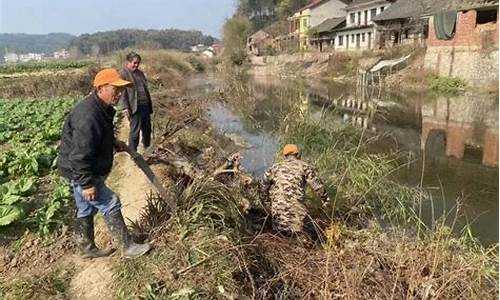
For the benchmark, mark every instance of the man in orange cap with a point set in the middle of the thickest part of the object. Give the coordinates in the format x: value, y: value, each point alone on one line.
x: 85, y: 159
x: 284, y: 185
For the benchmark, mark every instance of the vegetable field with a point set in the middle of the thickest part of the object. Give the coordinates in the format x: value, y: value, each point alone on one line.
x: 31, y: 193
x: 43, y: 66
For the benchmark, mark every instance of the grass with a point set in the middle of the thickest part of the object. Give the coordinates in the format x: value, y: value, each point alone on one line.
x: 51, y: 284
x: 448, y: 85
x: 214, y: 249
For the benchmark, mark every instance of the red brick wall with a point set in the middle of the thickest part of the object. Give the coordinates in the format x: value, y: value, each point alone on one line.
x: 466, y: 34
x: 456, y: 136
x: 490, y: 154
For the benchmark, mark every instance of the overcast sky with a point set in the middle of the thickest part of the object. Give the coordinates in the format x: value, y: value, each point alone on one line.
x: 88, y: 16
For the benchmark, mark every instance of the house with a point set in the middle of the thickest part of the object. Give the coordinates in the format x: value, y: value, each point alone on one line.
x: 463, y: 40
x: 270, y: 39
x: 322, y: 37
x: 11, y: 57
x: 360, y: 31
x: 198, y: 48
x: 30, y: 57
x: 259, y: 42
x: 312, y: 15
x: 61, y: 54
x: 401, y: 24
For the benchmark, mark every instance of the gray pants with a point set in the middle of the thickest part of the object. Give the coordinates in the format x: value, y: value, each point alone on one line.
x: 140, y: 122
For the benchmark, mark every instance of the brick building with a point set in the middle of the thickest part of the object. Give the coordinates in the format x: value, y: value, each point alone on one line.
x: 471, y: 52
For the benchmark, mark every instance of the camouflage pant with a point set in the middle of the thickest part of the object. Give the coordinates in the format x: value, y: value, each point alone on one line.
x: 287, y: 217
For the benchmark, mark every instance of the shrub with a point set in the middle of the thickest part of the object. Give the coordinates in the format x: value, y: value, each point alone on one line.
x: 448, y: 85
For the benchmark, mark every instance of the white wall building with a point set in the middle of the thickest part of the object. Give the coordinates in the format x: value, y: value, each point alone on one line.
x: 11, y: 57
x: 31, y: 56
x: 360, y: 31
x: 61, y: 54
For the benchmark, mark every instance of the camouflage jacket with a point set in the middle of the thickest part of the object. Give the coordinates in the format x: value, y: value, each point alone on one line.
x: 286, y: 181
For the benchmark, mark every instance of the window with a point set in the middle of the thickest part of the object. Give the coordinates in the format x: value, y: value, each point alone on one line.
x: 352, y: 18
x: 359, y: 17
x: 366, y: 17
x: 382, y: 9
x: 363, y: 37
x: 304, y: 23
x: 341, y: 40
x: 373, y: 13
x: 352, y: 38
x: 486, y: 16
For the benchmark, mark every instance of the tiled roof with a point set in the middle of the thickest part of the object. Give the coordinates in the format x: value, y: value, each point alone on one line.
x: 315, y: 3
x: 354, y: 3
x: 277, y: 28
x: 328, y: 25
x: 403, y: 9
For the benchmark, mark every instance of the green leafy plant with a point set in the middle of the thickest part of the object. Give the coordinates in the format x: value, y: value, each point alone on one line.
x: 448, y: 85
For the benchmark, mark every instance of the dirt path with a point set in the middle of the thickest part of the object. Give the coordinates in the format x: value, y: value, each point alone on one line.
x: 95, y: 280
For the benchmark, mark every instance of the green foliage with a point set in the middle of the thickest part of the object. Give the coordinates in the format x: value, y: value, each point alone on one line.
x: 264, y: 12
x: 9, y: 214
x: 448, y: 85
x: 102, y: 43
x: 29, y: 134
x: 236, y: 30
x: 43, y: 66
x: 47, y: 217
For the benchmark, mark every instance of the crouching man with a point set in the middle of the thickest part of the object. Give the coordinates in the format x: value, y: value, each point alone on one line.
x: 85, y: 159
x: 284, y: 185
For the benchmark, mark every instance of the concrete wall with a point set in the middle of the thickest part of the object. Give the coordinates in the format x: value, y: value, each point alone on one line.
x: 473, y: 65
x: 330, y: 9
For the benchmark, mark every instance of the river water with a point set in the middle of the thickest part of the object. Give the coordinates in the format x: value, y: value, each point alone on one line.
x: 451, y: 141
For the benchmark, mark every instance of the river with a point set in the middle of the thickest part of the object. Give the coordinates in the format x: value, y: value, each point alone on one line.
x: 451, y: 141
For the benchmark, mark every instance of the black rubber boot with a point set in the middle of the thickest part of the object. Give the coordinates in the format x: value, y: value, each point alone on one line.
x: 84, y: 235
x: 119, y: 231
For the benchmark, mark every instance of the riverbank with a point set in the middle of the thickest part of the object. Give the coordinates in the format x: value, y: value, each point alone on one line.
x: 219, y: 245
x: 412, y: 76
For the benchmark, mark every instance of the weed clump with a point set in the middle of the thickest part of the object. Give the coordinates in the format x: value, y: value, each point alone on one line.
x: 448, y: 85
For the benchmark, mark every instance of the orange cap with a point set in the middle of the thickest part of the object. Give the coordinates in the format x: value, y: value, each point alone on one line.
x: 290, y: 149
x: 109, y: 76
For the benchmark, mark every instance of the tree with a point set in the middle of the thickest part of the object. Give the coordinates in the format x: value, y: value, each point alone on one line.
x: 236, y: 30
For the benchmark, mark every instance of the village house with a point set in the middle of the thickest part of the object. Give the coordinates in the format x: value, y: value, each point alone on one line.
x: 463, y: 40
x: 401, y: 24
x: 11, y: 57
x: 31, y: 57
x: 61, y: 54
x: 360, y: 31
x: 313, y: 15
x: 259, y: 42
x: 322, y: 36
x: 269, y: 40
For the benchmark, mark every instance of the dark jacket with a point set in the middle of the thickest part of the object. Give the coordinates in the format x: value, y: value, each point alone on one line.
x: 128, y: 98
x: 87, y: 142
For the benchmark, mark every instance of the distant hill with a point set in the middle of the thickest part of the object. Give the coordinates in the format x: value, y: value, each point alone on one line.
x: 108, y: 41
x: 38, y: 43
x: 103, y: 42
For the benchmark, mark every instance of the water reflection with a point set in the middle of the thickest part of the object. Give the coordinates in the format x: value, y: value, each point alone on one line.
x: 459, y: 136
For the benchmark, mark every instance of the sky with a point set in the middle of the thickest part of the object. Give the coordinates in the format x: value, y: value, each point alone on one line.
x: 88, y: 16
